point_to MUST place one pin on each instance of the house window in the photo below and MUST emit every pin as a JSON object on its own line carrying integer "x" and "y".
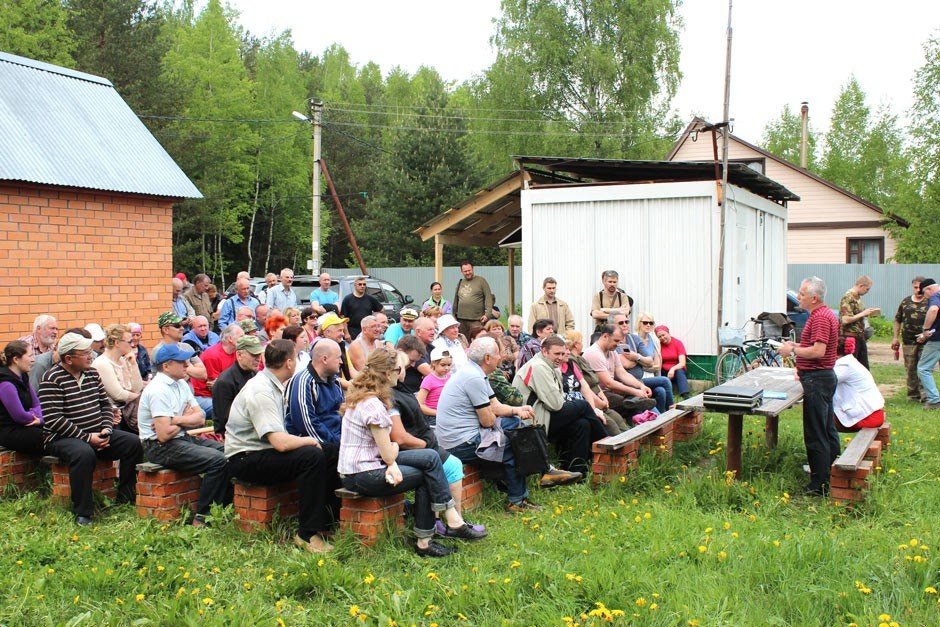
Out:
{"x": 865, "y": 250}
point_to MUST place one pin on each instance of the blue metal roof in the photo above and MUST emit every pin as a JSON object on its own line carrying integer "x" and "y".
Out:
{"x": 62, "y": 127}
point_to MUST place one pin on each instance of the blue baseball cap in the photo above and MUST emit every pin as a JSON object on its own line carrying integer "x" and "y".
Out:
{"x": 171, "y": 352}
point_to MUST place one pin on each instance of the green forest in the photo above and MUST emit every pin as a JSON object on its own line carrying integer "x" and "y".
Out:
{"x": 579, "y": 78}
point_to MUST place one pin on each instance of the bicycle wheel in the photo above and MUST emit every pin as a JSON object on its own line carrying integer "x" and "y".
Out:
{"x": 770, "y": 357}
{"x": 728, "y": 366}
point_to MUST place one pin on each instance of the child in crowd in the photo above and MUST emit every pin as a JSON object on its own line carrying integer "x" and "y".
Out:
{"x": 434, "y": 382}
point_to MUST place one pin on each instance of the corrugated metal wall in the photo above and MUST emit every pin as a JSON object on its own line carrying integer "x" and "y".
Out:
{"x": 892, "y": 282}
{"x": 415, "y": 282}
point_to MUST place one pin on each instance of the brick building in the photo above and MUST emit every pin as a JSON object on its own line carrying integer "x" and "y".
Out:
{"x": 86, "y": 203}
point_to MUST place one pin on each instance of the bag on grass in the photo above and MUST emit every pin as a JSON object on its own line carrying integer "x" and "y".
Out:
{"x": 530, "y": 448}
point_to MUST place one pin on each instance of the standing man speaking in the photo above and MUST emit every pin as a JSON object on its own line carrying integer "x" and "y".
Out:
{"x": 473, "y": 299}
{"x": 815, "y": 357}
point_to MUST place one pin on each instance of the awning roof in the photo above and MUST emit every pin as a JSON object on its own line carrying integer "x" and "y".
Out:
{"x": 618, "y": 170}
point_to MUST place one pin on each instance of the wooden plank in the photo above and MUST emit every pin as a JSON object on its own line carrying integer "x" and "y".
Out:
{"x": 855, "y": 452}
{"x": 641, "y": 431}
{"x": 482, "y": 199}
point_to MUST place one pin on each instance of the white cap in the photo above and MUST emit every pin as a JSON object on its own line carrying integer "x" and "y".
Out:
{"x": 445, "y": 321}
{"x": 97, "y": 333}
{"x": 439, "y": 353}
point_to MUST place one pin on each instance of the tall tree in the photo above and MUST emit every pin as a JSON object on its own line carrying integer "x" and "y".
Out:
{"x": 122, "y": 41}
{"x": 849, "y": 130}
{"x": 427, "y": 170}
{"x": 210, "y": 141}
{"x": 783, "y": 137}
{"x": 604, "y": 70}
{"x": 919, "y": 243}
{"x": 37, "y": 29}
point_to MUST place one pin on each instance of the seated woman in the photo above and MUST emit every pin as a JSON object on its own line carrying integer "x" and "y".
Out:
{"x": 20, "y": 412}
{"x": 673, "y": 356}
{"x": 293, "y": 316}
{"x": 117, "y": 366}
{"x": 452, "y": 341}
{"x": 274, "y": 325}
{"x": 650, "y": 344}
{"x": 857, "y": 403}
{"x": 636, "y": 358}
{"x": 143, "y": 355}
{"x": 295, "y": 333}
{"x": 432, "y": 312}
{"x": 309, "y": 320}
{"x": 371, "y": 464}
{"x": 615, "y": 424}
{"x": 410, "y": 430}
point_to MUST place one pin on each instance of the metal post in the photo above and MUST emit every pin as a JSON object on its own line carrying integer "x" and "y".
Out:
{"x": 316, "y": 108}
{"x": 724, "y": 177}
{"x": 511, "y": 310}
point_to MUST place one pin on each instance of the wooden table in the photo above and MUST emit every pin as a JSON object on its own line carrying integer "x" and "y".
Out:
{"x": 763, "y": 378}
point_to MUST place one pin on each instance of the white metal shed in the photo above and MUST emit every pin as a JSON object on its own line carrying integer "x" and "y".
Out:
{"x": 664, "y": 240}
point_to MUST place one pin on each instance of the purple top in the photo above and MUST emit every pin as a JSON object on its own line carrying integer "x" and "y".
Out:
{"x": 11, "y": 401}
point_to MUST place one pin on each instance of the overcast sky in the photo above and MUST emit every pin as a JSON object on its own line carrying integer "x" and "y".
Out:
{"x": 783, "y": 52}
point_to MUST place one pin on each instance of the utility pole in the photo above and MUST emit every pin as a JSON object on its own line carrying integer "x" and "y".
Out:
{"x": 316, "y": 109}
{"x": 724, "y": 175}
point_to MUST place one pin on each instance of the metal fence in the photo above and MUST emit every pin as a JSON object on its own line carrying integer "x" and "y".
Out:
{"x": 891, "y": 282}
{"x": 416, "y": 282}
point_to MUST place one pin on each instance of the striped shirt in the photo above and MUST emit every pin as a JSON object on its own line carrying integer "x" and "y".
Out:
{"x": 73, "y": 408}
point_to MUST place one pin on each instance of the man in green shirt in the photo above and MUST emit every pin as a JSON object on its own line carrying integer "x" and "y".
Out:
{"x": 473, "y": 300}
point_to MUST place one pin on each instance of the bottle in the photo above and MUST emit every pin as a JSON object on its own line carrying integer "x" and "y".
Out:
{"x": 897, "y": 354}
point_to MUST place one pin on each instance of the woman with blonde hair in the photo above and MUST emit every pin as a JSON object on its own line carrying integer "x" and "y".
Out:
{"x": 645, "y": 323}
{"x": 372, "y": 465}
{"x": 117, "y": 367}
{"x": 293, "y": 316}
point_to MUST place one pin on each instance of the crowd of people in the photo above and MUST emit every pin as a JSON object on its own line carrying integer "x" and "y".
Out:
{"x": 332, "y": 395}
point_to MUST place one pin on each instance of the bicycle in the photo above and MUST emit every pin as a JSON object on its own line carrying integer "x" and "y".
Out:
{"x": 734, "y": 359}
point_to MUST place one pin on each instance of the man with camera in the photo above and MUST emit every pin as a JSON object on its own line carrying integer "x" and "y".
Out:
{"x": 79, "y": 427}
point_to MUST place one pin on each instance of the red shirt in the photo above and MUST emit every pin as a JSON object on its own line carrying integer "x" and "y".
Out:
{"x": 821, "y": 326}
{"x": 216, "y": 360}
{"x": 670, "y": 353}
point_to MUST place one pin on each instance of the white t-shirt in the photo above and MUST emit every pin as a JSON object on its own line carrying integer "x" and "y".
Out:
{"x": 856, "y": 395}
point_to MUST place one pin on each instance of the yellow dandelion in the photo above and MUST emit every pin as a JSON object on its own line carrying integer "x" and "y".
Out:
{"x": 641, "y": 602}
{"x": 913, "y": 542}
{"x": 515, "y": 564}
{"x": 722, "y": 556}
{"x": 139, "y": 598}
{"x": 368, "y": 579}
{"x": 246, "y": 586}
{"x": 50, "y": 571}
{"x": 884, "y": 617}
{"x": 708, "y": 530}
{"x": 726, "y": 525}
{"x": 702, "y": 548}
{"x": 930, "y": 590}
{"x": 432, "y": 576}
{"x": 354, "y": 610}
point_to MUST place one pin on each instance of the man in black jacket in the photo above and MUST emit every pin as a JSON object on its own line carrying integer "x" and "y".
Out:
{"x": 248, "y": 351}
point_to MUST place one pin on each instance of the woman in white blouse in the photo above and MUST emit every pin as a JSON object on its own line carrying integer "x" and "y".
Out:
{"x": 857, "y": 403}
{"x": 117, "y": 367}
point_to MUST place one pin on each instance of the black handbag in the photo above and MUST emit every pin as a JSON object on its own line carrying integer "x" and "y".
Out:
{"x": 530, "y": 449}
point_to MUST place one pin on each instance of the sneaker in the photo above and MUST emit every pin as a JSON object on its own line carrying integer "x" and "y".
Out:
{"x": 639, "y": 404}
{"x": 931, "y": 406}
{"x": 518, "y": 508}
{"x": 84, "y": 521}
{"x": 557, "y": 476}
{"x": 435, "y": 549}
{"x": 816, "y": 490}
{"x": 440, "y": 529}
{"x": 316, "y": 544}
{"x": 200, "y": 521}
{"x": 465, "y": 532}
{"x": 475, "y": 527}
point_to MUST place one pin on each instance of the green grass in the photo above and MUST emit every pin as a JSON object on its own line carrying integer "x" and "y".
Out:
{"x": 674, "y": 544}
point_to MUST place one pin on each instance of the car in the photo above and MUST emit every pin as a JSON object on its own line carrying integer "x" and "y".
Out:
{"x": 388, "y": 295}
{"x": 797, "y": 314}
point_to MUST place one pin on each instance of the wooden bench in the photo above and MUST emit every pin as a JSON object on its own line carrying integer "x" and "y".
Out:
{"x": 367, "y": 516}
{"x": 849, "y": 475}
{"x": 614, "y": 456}
{"x": 163, "y": 493}
{"x": 19, "y": 470}
{"x": 103, "y": 479}
{"x": 257, "y": 505}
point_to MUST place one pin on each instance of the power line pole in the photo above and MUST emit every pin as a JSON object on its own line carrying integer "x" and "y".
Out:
{"x": 316, "y": 109}
{"x": 724, "y": 175}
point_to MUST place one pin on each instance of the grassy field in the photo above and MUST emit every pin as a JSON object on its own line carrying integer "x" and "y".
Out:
{"x": 676, "y": 543}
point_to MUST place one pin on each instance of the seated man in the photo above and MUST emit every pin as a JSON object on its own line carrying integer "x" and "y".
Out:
{"x": 633, "y": 362}
{"x": 248, "y": 351}
{"x": 167, "y": 409}
{"x": 216, "y": 359}
{"x": 171, "y": 332}
{"x": 514, "y": 330}
{"x": 542, "y": 329}
{"x": 79, "y": 425}
{"x": 259, "y": 449}
{"x": 333, "y": 326}
{"x": 572, "y": 425}
{"x": 199, "y": 336}
{"x": 627, "y": 394}
{"x": 400, "y": 329}
{"x": 314, "y": 397}
{"x": 467, "y": 403}
{"x": 367, "y": 341}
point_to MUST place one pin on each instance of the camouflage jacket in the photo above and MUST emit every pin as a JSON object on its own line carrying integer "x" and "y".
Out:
{"x": 911, "y": 315}
{"x": 851, "y": 305}
{"x": 505, "y": 392}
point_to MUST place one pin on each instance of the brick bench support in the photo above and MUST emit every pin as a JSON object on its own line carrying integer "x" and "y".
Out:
{"x": 471, "y": 494}
{"x": 616, "y": 455}
{"x": 611, "y": 463}
{"x": 257, "y": 505}
{"x": 849, "y": 475}
{"x": 163, "y": 493}
{"x": 688, "y": 427}
{"x": 367, "y": 516}
{"x": 103, "y": 479}
{"x": 19, "y": 470}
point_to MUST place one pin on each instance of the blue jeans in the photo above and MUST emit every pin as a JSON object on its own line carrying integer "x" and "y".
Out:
{"x": 681, "y": 380}
{"x": 422, "y": 472}
{"x": 515, "y": 483}
{"x": 662, "y": 391}
{"x": 199, "y": 455}
{"x": 205, "y": 404}
{"x": 928, "y": 360}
